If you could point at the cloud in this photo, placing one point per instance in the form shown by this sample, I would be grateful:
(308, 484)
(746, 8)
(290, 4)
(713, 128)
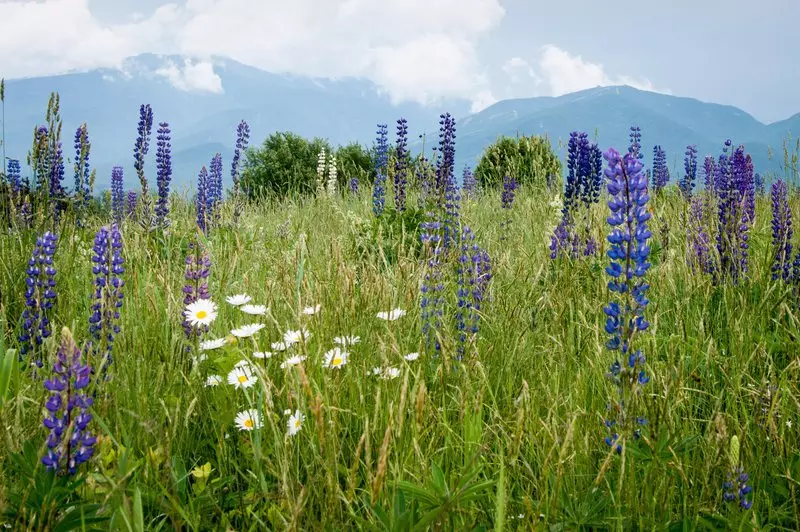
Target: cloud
(199, 76)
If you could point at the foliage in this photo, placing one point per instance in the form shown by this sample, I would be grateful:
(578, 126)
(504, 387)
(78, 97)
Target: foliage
(530, 160)
(355, 160)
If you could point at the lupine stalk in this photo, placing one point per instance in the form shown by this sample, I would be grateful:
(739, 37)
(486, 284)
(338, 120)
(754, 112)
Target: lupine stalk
(635, 148)
(83, 172)
(69, 443)
(709, 171)
(445, 162)
(57, 192)
(242, 140)
(699, 239)
(596, 173)
(690, 171)
(354, 185)
(140, 150)
(333, 180)
(198, 268)
(117, 194)
(401, 165)
(474, 274)
(214, 190)
(322, 165)
(202, 200)
(163, 173)
(40, 295)
(469, 185)
(781, 231)
(627, 187)
(733, 183)
(507, 202)
(131, 203)
(381, 167)
(660, 169)
(107, 298)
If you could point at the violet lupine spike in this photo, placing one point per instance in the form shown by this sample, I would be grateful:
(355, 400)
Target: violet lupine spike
(445, 162)
(163, 173)
(507, 202)
(354, 185)
(198, 268)
(660, 169)
(635, 147)
(452, 206)
(381, 167)
(561, 240)
(699, 240)
(585, 180)
(214, 189)
(242, 141)
(40, 160)
(70, 442)
(117, 194)
(781, 231)
(748, 188)
(572, 185)
(737, 489)
(57, 171)
(690, 172)
(401, 165)
(131, 203)
(469, 185)
(596, 173)
(107, 297)
(140, 150)
(201, 203)
(709, 171)
(83, 172)
(629, 235)
(732, 184)
(40, 295)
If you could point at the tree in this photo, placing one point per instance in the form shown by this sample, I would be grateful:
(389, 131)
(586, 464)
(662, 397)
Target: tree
(530, 160)
(355, 160)
(284, 164)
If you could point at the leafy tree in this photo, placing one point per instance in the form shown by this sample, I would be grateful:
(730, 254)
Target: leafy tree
(530, 160)
(355, 160)
(284, 164)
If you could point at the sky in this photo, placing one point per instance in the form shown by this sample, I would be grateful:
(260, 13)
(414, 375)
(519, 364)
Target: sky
(736, 52)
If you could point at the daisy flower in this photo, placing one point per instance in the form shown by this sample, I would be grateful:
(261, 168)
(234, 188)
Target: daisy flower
(201, 312)
(411, 356)
(238, 300)
(310, 311)
(280, 346)
(392, 315)
(244, 363)
(390, 373)
(209, 345)
(376, 371)
(292, 361)
(295, 422)
(293, 337)
(347, 340)
(246, 331)
(336, 358)
(254, 310)
(241, 377)
(262, 354)
(248, 420)
(213, 380)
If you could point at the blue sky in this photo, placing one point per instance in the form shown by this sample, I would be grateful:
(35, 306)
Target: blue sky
(735, 52)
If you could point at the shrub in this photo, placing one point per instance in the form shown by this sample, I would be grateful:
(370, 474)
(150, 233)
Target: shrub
(530, 160)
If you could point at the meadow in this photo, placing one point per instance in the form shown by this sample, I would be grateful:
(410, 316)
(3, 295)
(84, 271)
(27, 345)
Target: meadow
(425, 421)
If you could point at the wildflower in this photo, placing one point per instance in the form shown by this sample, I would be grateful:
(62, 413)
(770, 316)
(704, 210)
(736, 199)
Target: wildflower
(660, 169)
(292, 361)
(635, 148)
(287, 412)
(242, 140)
(392, 315)
(202, 200)
(736, 488)
(390, 373)
(163, 173)
(40, 295)
(292, 337)
(262, 354)
(83, 174)
(469, 185)
(690, 171)
(248, 420)
(213, 380)
(140, 149)
(246, 331)
(295, 422)
(332, 178)
(321, 163)
(108, 270)
(238, 300)
(201, 312)
(507, 202)
(781, 231)
(335, 358)
(346, 340)
(70, 443)
(734, 185)
(214, 189)
(411, 357)
(254, 310)
(117, 194)
(381, 165)
(354, 185)
(198, 268)
(400, 165)
(280, 346)
(242, 377)
(310, 311)
(210, 345)
(131, 203)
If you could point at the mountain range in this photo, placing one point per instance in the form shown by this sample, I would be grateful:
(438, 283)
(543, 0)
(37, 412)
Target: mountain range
(204, 101)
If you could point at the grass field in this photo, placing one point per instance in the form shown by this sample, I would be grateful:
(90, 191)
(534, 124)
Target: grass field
(510, 437)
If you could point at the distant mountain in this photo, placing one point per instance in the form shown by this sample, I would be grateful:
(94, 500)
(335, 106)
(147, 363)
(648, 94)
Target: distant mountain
(204, 102)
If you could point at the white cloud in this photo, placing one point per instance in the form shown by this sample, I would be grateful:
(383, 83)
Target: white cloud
(199, 76)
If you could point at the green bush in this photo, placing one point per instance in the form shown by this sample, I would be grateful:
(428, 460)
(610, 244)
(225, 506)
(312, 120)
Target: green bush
(531, 160)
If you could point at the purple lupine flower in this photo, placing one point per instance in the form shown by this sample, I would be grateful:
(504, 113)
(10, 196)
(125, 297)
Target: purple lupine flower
(452, 208)
(140, 150)
(709, 170)
(83, 172)
(202, 200)
(57, 171)
(635, 148)
(107, 269)
(585, 179)
(14, 176)
(690, 171)
(474, 274)
(40, 295)
(242, 140)
(214, 189)
(401, 165)
(699, 240)
(117, 194)
(596, 173)
(737, 489)
(572, 185)
(163, 173)
(69, 443)
(733, 183)
(561, 241)
(627, 186)
(381, 165)
(131, 203)
(39, 159)
(748, 188)
(198, 268)
(354, 185)
(507, 202)
(781, 231)
(469, 185)
(445, 160)
(758, 181)
(660, 169)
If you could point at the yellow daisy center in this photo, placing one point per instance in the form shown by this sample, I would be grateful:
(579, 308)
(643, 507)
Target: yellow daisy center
(249, 423)
(297, 423)
(242, 378)
(201, 314)
(336, 361)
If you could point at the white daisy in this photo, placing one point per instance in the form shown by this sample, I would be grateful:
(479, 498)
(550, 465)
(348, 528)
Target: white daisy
(310, 311)
(246, 331)
(238, 299)
(248, 420)
(292, 361)
(245, 364)
(287, 412)
(411, 356)
(262, 354)
(213, 380)
(336, 358)
(392, 315)
(295, 422)
(241, 377)
(390, 373)
(293, 337)
(376, 371)
(201, 312)
(347, 340)
(254, 310)
(280, 346)
(208, 345)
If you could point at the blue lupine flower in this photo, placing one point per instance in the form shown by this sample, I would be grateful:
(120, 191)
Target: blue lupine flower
(733, 182)
(69, 443)
(242, 140)
(781, 231)
(699, 240)
(572, 185)
(117, 194)
(40, 294)
(83, 172)
(469, 185)
(737, 489)
(164, 173)
(401, 165)
(140, 150)
(660, 169)
(474, 274)
(14, 176)
(690, 171)
(202, 200)
(354, 185)
(57, 171)
(214, 189)
(130, 205)
(507, 202)
(381, 166)
(596, 173)
(635, 148)
(107, 297)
